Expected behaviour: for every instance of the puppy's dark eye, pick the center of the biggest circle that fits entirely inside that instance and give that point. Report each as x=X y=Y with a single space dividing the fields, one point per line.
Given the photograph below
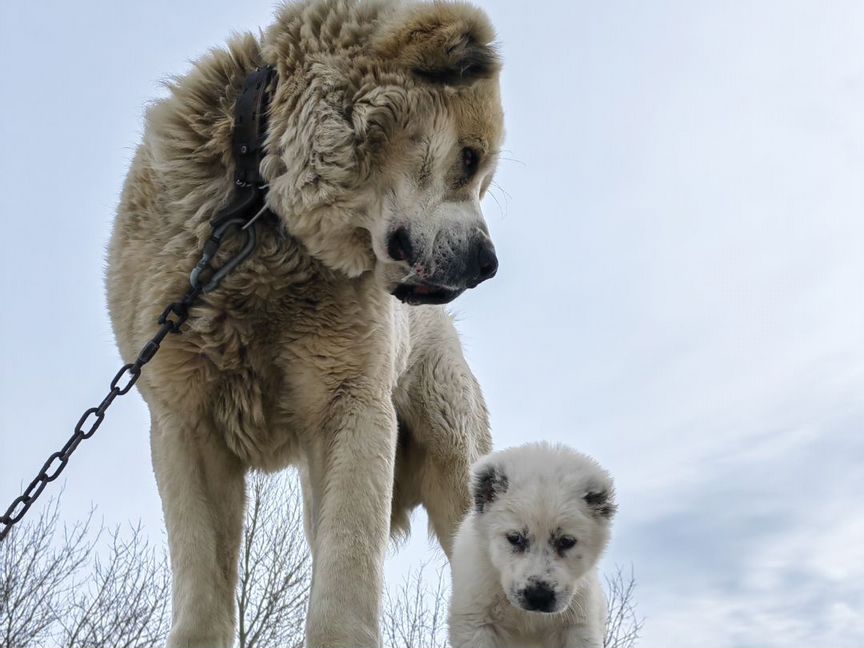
x=470 y=161
x=565 y=542
x=517 y=540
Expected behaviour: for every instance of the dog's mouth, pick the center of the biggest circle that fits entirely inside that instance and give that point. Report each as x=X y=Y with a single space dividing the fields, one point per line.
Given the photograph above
x=425 y=293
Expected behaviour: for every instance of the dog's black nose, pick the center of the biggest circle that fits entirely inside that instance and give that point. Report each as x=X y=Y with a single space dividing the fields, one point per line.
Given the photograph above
x=539 y=598
x=484 y=263
x=399 y=245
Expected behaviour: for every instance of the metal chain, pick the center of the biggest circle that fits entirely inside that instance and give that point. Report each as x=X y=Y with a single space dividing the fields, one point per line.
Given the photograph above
x=170 y=321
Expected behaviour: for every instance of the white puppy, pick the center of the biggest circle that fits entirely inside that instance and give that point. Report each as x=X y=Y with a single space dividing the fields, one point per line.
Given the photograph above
x=525 y=558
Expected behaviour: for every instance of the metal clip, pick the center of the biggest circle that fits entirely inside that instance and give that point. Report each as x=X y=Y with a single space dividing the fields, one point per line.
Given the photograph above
x=211 y=247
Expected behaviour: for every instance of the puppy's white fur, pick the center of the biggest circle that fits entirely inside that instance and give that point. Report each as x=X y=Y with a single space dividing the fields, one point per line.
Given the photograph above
x=517 y=582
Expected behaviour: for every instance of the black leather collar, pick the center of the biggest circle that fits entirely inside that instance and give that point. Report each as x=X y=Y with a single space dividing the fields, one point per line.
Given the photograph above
x=247 y=147
x=250 y=126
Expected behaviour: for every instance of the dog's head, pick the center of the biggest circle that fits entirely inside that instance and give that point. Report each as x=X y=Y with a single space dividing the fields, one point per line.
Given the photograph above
x=383 y=141
x=544 y=512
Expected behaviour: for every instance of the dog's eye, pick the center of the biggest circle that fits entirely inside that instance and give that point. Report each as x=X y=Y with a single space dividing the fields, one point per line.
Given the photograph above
x=470 y=161
x=470 y=158
x=517 y=540
x=565 y=542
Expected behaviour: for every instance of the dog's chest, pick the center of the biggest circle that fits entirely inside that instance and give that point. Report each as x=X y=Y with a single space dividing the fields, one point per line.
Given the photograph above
x=281 y=353
x=523 y=629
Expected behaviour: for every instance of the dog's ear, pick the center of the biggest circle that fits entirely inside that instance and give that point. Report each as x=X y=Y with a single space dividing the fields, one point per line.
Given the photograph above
x=601 y=502
x=487 y=482
x=447 y=43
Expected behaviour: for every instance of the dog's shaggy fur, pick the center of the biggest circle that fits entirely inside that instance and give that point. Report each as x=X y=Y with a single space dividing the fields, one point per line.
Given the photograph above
x=524 y=561
x=383 y=136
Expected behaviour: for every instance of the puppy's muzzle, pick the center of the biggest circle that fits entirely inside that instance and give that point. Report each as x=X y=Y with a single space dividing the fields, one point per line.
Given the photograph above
x=538 y=597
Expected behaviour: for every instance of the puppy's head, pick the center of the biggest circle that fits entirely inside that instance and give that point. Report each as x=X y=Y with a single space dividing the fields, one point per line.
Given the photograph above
x=385 y=156
x=544 y=513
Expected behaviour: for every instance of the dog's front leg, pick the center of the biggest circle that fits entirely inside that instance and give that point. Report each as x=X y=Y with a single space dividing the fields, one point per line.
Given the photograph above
x=202 y=487
x=440 y=403
x=351 y=476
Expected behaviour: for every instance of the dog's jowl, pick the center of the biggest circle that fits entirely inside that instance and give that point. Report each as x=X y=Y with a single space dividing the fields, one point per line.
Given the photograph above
x=327 y=348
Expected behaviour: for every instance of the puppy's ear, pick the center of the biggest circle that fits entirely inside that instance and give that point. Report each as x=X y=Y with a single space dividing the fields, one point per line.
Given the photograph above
x=448 y=43
x=487 y=483
x=601 y=502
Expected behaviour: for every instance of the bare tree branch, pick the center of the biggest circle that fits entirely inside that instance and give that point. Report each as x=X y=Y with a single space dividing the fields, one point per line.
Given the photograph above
x=62 y=592
x=125 y=601
x=37 y=571
x=415 y=613
x=275 y=567
x=623 y=626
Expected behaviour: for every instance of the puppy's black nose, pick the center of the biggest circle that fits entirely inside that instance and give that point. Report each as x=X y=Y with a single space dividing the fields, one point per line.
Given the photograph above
x=483 y=264
x=539 y=598
x=399 y=245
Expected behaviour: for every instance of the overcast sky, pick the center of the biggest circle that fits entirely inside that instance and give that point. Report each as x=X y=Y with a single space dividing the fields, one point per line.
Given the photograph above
x=680 y=225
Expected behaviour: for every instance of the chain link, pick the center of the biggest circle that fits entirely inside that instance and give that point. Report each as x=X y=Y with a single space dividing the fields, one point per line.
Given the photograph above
x=170 y=321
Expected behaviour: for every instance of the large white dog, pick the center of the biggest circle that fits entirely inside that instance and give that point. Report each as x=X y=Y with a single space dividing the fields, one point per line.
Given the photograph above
x=384 y=129
x=525 y=559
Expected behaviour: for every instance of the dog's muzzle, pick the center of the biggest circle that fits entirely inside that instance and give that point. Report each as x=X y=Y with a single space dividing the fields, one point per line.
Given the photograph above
x=538 y=597
x=453 y=270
